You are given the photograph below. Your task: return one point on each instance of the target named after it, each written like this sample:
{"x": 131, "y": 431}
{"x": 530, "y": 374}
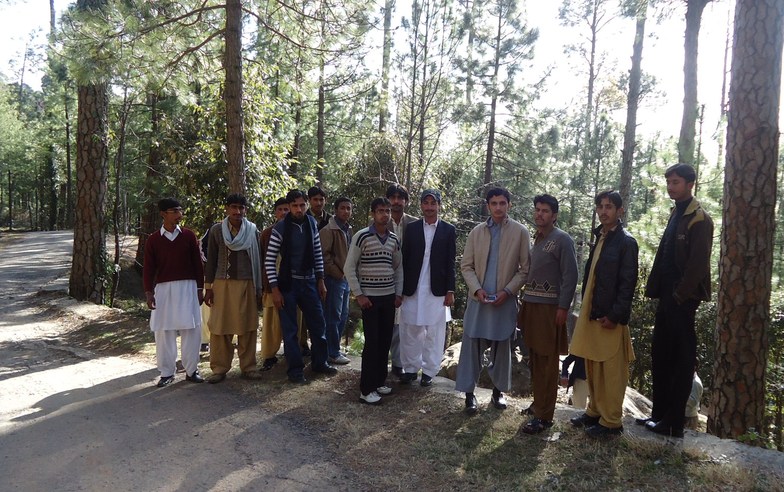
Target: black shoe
{"x": 471, "y": 405}
{"x": 584, "y": 420}
{"x": 643, "y": 421}
{"x": 408, "y": 377}
{"x": 196, "y": 378}
{"x": 425, "y": 381}
{"x": 598, "y": 430}
{"x": 397, "y": 371}
{"x": 165, "y": 381}
{"x": 498, "y": 399}
{"x": 536, "y": 425}
{"x": 298, "y": 379}
{"x": 205, "y": 347}
{"x": 325, "y": 369}
{"x": 268, "y": 363}
{"x": 664, "y": 429}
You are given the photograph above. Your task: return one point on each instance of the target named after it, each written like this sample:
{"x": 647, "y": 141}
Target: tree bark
{"x": 738, "y": 396}
{"x": 632, "y": 101}
{"x": 386, "y": 60}
{"x": 88, "y": 271}
{"x": 232, "y": 97}
{"x": 694, "y": 10}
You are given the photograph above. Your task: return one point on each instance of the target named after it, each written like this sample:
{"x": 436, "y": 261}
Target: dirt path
{"x": 71, "y": 419}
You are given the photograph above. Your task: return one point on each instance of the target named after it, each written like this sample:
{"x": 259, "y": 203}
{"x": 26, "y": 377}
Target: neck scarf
{"x": 245, "y": 240}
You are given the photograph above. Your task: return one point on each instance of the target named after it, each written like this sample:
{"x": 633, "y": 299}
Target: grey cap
{"x": 431, "y": 192}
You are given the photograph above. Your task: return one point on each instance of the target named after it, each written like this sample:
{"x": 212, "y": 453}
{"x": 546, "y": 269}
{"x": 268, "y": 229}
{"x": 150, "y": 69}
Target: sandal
{"x": 268, "y": 363}
{"x": 536, "y": 425}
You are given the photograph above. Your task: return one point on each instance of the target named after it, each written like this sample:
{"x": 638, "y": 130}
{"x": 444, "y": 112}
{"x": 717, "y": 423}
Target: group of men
{"x": 401, "y": 271}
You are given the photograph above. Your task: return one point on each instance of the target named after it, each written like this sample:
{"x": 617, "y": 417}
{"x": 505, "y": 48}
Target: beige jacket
{"x": 334, "y": 248}
{"x": 513, "y": 258}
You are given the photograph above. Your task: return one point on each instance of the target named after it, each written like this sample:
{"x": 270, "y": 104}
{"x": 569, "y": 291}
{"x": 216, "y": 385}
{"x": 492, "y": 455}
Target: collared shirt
{"x": 381, "y": 238}
{"x": 171, "y": 236}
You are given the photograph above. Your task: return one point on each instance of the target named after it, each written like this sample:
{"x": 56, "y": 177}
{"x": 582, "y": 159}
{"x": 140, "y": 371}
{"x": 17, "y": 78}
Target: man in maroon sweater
{"x": 173, "y": 281}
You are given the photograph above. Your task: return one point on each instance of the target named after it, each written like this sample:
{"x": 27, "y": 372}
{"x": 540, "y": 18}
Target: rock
{"x": 521, "y": 376}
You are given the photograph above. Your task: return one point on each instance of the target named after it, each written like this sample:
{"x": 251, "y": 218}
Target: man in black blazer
{"x": 428, "y": 290}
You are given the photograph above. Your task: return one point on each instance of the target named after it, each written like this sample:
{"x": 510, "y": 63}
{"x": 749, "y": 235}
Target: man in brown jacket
{"x": 335, "y": 238}
{"x": 680, "y": 279}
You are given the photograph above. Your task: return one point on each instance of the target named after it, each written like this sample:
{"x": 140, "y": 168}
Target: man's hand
{"x": 500, "y": 298}
{"x": 150, "y": 299}
{"x": 481, "y": 295}
{"x": 606, "y": 323}
{"x": 322, "y": 289}
{"x": 449, "y": 300}
{"x": 200, "y": 295}
{"x": 560, "y": 316}
{"x": 364, "y": 302}
{"x": 208, "y": 297}
{"x": 398, "y": 301}
{"x": 277, "y": 298}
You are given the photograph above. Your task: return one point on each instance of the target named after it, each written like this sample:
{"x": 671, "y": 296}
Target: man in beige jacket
{"x": 495, "y": 267}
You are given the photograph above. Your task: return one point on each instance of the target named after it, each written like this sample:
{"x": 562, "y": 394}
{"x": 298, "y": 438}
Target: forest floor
{"x": 79, "y": 411}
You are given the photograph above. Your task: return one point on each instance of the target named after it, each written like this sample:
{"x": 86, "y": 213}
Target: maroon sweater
{"x": 166, "y": 261}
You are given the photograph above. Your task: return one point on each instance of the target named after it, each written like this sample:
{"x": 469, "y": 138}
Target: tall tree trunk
{"x": 694, "y": 10}
{"x": 69, "y": 208}
{"x": 386, "y": 62}
{"x": 119, "y": 159}
{"x": 320, "y": 137}
{"x": 88, "y": 271}
{"x": 150, "y": 217}
{"x": 232, "y": 97}
{"x": 632, "y": 101}
{"x": 743, "y": 318}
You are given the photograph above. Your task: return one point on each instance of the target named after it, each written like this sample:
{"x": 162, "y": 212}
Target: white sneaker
{"x": 340, "y": 360}
{"x": 371, "y": 398}
{"x": 383, "y": 390}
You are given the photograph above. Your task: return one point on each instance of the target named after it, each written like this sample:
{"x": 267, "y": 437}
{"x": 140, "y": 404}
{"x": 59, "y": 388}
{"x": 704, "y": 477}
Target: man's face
{"x": 172, "y": 217}
{"x": 381, "y": 215}
{"x": 498, "y": 207}
{"x": 281, "y": 211}
{"x": 430, "y": 208}
{"x": 298, "y": 207}
{"x": 317, "y": 204}
{"x": 608, "y": 213}
{"x": 398, "y": 203}
{"x": 678, "y": 188}
{"x": 235, "y": 212}
{"x": 544, "y": 216}
{"x": 344, "y": 211}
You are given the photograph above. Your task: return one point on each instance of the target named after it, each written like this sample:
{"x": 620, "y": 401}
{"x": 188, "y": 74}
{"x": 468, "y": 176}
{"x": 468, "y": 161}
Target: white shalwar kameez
{"x": 176, "y": 309}
{"x": 423, "y": 319}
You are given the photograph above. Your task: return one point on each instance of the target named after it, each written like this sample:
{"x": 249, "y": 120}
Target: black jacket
{"x": 442, "y": 257}
{"x": 616, "y": 276}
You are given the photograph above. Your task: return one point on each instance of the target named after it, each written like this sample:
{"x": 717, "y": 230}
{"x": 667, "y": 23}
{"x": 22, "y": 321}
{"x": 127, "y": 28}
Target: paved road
{"x": 74, "y": 420}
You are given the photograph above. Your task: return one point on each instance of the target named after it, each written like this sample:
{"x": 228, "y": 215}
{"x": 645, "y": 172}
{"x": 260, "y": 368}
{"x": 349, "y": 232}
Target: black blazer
{"x": 442, "y": 257}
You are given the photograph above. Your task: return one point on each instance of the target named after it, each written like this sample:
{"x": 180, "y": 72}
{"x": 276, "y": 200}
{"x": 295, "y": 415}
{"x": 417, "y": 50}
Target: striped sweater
{"x": 276, "y": 244}
{"x": 374, "y": 268}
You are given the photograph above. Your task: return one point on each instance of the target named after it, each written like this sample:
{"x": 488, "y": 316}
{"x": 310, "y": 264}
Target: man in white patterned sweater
{"x": 374, "y": 273}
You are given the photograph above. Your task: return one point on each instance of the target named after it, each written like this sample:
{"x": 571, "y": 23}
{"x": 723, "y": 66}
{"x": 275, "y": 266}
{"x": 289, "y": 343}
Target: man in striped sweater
{"x": 299, "y": 281}
{"x": 374, "y": 273}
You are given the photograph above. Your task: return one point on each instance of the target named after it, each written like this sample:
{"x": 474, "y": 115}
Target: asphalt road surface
{"x": 75, "y": 420}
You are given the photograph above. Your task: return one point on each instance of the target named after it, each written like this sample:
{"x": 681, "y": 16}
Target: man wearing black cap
{"x": 428, "y": 290}
{"x": 173, "y": 281}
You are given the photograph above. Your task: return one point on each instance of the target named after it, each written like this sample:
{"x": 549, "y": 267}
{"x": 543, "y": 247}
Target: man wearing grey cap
{"x": 428, "y": 290}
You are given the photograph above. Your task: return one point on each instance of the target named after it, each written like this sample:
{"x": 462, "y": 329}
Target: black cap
{"x": 431, "y": 192}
